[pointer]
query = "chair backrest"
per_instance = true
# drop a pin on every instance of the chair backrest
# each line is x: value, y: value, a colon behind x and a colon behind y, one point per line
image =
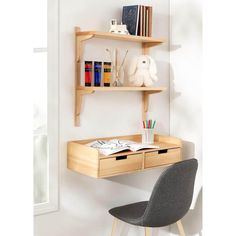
x: 172, y: 194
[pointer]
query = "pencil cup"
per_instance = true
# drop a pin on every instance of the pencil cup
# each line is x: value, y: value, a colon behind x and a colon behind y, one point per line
x: 148, y: 136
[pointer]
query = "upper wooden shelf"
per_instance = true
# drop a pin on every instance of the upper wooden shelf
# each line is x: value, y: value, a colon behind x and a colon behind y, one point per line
x: 107, y: 89
x: 106, y: 35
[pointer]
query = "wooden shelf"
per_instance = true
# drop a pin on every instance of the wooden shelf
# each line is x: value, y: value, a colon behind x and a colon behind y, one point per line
x: 134, y: 89
x: 80, y: 37
x: 88, y: 161
x: 131, y: 38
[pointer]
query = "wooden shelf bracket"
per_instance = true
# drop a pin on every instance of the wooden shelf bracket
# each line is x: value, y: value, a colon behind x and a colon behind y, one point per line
x: 145, y: 100
x: 79, y: 95
x: 80, y: 91
x: 145, y: 105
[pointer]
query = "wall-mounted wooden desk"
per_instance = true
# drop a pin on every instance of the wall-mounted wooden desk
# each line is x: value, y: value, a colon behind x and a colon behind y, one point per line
x: 88, y: 161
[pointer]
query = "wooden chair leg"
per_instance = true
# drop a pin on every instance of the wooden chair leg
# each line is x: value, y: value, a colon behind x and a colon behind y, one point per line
x: 114, y: 224
x: 180, y: 228
x: 147, y: 231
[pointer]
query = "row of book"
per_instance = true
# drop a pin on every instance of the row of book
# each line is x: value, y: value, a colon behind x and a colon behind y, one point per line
x: 138, y: 19
x: 93, y: 73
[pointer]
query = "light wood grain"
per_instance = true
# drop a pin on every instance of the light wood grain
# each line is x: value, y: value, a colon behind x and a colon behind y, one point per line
x: 78, y: 104
x: 145, y: 48
x: 81, y: 36
x: 78, y: 55
x: 121, y: 89
x: 155, y: 159
x: 180, y: 228
x: 135, y: 138
x: 112, y: 166
x: 130, y: 38
x: 77, y: 78
x: 88, y: 90
x: 86, y: 160
x: 145, y: 105
x: 82, y: 159
x: 147, y: 231
x: 168, y: 139
x: 114, y: 226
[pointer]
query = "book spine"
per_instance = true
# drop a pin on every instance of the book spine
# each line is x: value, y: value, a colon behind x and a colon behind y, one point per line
x: 137, y: 20
x: 141, y: 21
x: 144, y: 20
x: 150, y: 22
x: 97, y: 73
x: 107, y: 74
x: 88, y: 72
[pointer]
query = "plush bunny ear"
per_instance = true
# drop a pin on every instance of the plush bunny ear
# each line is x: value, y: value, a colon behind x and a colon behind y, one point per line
x: 133, y: 66
x: 152, y: 68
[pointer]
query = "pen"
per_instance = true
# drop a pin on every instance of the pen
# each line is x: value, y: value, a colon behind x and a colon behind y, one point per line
x: 143, y: 124
x: 154, y: 124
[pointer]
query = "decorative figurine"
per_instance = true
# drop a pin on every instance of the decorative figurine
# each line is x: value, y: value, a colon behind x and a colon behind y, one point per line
x: 118, y: 29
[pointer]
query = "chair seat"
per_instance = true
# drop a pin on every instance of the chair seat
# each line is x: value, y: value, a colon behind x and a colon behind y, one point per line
x: 131, y: 213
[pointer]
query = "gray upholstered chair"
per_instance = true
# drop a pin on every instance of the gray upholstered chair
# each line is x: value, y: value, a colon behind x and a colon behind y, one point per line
x: 169, y: 202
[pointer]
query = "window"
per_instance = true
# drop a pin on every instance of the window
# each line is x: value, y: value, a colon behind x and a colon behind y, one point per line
x: 45, y: 130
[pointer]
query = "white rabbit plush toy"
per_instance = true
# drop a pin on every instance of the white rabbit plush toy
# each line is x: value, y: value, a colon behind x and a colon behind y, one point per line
x: 142, y: 71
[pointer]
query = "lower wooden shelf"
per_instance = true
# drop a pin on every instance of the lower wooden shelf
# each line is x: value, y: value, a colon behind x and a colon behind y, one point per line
x: 88, y: 161
x: 150, y: 90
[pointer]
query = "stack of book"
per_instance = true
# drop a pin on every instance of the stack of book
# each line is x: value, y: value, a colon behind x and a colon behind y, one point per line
x: 138, y: 20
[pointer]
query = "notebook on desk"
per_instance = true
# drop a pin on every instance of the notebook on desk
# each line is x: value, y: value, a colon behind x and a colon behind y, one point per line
x: 115, y: 145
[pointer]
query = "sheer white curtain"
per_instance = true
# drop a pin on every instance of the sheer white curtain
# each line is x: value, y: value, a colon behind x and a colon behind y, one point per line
x: 40, y: 129
x: 45, y: 82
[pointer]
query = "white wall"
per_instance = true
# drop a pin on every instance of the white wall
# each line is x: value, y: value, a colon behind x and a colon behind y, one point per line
x: 185, y: 95
x: 84, y: 201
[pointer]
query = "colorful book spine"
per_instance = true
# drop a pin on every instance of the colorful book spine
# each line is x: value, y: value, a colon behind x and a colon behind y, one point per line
x: 107, y: 74
x: 88, y: 67
x: 97, y: 73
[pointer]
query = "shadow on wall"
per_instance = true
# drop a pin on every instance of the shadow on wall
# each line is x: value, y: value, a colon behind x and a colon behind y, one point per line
x: 188, y: 150
x: 191, y: 13
x: 183, y: 119
x: 174, y: 47
x: 174, y: 94
x: 144, y: 180
x: 192, y: 221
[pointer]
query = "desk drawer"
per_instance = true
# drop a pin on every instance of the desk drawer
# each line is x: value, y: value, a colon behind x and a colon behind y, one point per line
x: 162, y: 157
x: 120, y: 164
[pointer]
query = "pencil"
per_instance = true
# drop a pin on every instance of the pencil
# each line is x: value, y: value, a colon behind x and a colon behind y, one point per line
x: 154, y: 124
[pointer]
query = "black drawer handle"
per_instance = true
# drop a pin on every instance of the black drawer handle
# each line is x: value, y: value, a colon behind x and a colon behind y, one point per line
x: 121, y: 158
x: 162, y: 151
